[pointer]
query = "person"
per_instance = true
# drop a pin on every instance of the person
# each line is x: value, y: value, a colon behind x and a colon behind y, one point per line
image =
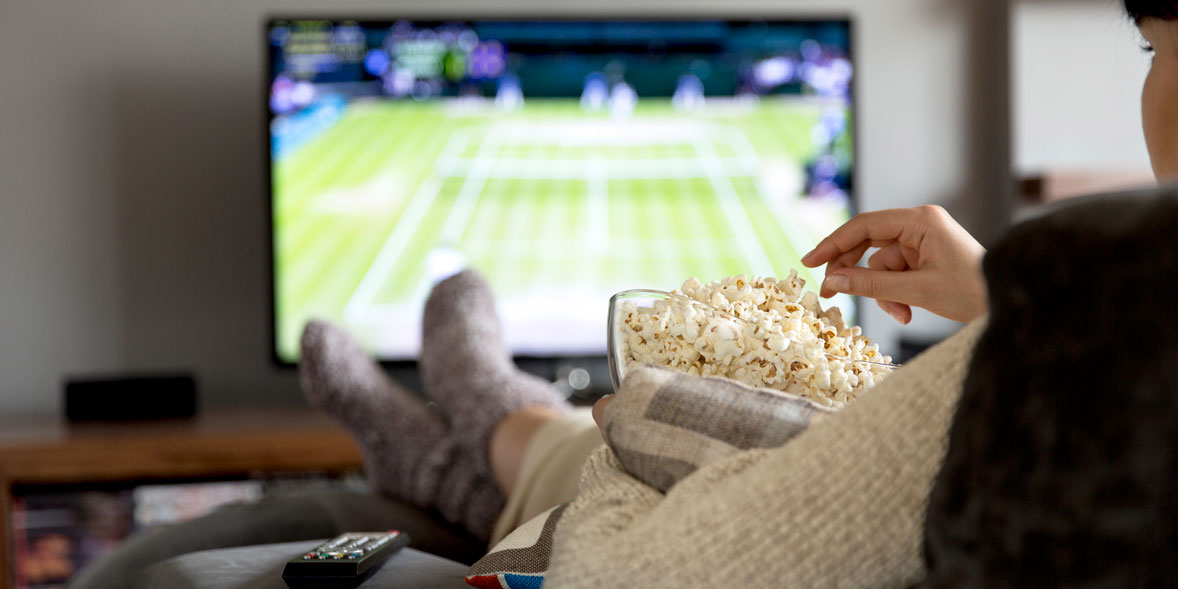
x: 1060, y: 464
x: 924, y: 259
x: 844, y: 503
x: 488, y: 432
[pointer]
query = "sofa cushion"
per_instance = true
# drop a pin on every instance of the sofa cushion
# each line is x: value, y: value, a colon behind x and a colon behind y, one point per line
x: 261, y: 567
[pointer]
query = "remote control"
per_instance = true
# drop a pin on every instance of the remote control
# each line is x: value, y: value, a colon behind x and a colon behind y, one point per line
x: 344, y: 561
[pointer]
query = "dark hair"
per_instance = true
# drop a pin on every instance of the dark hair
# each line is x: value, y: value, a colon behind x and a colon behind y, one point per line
x: 1062, y: 466
x: 1139, y: 10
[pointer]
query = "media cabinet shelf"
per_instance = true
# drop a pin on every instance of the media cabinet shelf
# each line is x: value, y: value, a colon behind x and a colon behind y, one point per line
x: 223, y: 443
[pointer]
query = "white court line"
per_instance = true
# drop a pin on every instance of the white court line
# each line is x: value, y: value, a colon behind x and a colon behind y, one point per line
x: 599, y: 175
x: 407, y: 224
x: 472, y: 188
x: 394, y: 246
x: 603, y: 133
x: 746, y: 154
x: 577, y: 169
x: 551, y: 255
x: 464, y: 205
x: 788, y: 223
x: 738, y: 219
x: 661, y: 251
x: 635, y: 243
x: 449, y: 159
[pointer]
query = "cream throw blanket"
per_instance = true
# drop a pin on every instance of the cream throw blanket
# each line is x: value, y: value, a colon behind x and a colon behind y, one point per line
x: 840, y: 505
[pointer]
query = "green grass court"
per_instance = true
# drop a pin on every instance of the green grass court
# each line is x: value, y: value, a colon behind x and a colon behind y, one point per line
x: 545, y: 201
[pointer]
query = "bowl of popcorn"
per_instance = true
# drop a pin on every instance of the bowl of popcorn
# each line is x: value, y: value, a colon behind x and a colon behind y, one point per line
x: 762, y: 332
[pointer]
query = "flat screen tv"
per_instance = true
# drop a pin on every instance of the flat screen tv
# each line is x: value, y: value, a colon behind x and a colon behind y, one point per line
x: 565, y: 159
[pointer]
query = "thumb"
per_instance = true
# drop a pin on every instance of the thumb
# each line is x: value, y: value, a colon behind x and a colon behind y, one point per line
x: 885, y: 285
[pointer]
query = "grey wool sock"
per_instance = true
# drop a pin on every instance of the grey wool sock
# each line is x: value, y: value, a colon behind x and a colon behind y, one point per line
x: 467, y: 369
x: 408, y: 453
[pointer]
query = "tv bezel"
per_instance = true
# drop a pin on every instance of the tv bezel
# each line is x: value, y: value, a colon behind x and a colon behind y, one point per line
x: 268, y: 21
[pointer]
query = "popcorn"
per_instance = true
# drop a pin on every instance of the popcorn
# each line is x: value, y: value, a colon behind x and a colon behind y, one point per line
x: 763, y: 332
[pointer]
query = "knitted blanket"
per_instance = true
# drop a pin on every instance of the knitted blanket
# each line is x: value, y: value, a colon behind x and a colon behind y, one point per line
x: 665, y: 426
x: 841, y: 504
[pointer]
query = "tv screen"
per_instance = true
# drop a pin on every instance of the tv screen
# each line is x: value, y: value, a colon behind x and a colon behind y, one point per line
x: 564, y: 159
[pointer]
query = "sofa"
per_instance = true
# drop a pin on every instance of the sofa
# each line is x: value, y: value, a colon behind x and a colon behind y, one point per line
x: 1061, y: 464
x: 246, y: 545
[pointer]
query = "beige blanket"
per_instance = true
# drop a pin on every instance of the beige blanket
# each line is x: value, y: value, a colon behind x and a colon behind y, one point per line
x: 840, y: 505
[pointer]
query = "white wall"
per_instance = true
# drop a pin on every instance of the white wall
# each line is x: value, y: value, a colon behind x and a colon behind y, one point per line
x: 132, y: 216
x: 1077, y: 74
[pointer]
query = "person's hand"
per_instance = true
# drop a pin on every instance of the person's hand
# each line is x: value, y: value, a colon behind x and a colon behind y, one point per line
x: 599, y: 411
x: 925, y: 259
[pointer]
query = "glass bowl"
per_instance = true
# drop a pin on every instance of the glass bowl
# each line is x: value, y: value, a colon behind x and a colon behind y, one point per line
x: 618, y: 347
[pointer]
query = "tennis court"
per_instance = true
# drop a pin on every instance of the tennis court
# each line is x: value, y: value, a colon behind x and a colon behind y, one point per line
x: 557, y: 209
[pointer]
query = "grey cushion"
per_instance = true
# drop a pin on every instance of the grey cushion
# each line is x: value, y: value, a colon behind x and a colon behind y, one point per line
x: 281, y: 519
x: 261, y: 567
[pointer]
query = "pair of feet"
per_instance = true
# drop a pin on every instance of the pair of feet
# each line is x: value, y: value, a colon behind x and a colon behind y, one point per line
x: 434, y: 455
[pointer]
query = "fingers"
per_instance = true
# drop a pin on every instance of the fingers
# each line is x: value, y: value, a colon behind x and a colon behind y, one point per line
x: 906, y: 288
x: 891, y: 258
x: 599, y: 411
x: 888, y: 258
x: 846, y: 260
x: 926, y: 259
x: 899, y: 311
x: 877, y: 228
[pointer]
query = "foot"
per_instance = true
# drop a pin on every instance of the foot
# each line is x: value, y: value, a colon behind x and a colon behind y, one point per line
x: 467, y: 369
x: 408, y: 453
